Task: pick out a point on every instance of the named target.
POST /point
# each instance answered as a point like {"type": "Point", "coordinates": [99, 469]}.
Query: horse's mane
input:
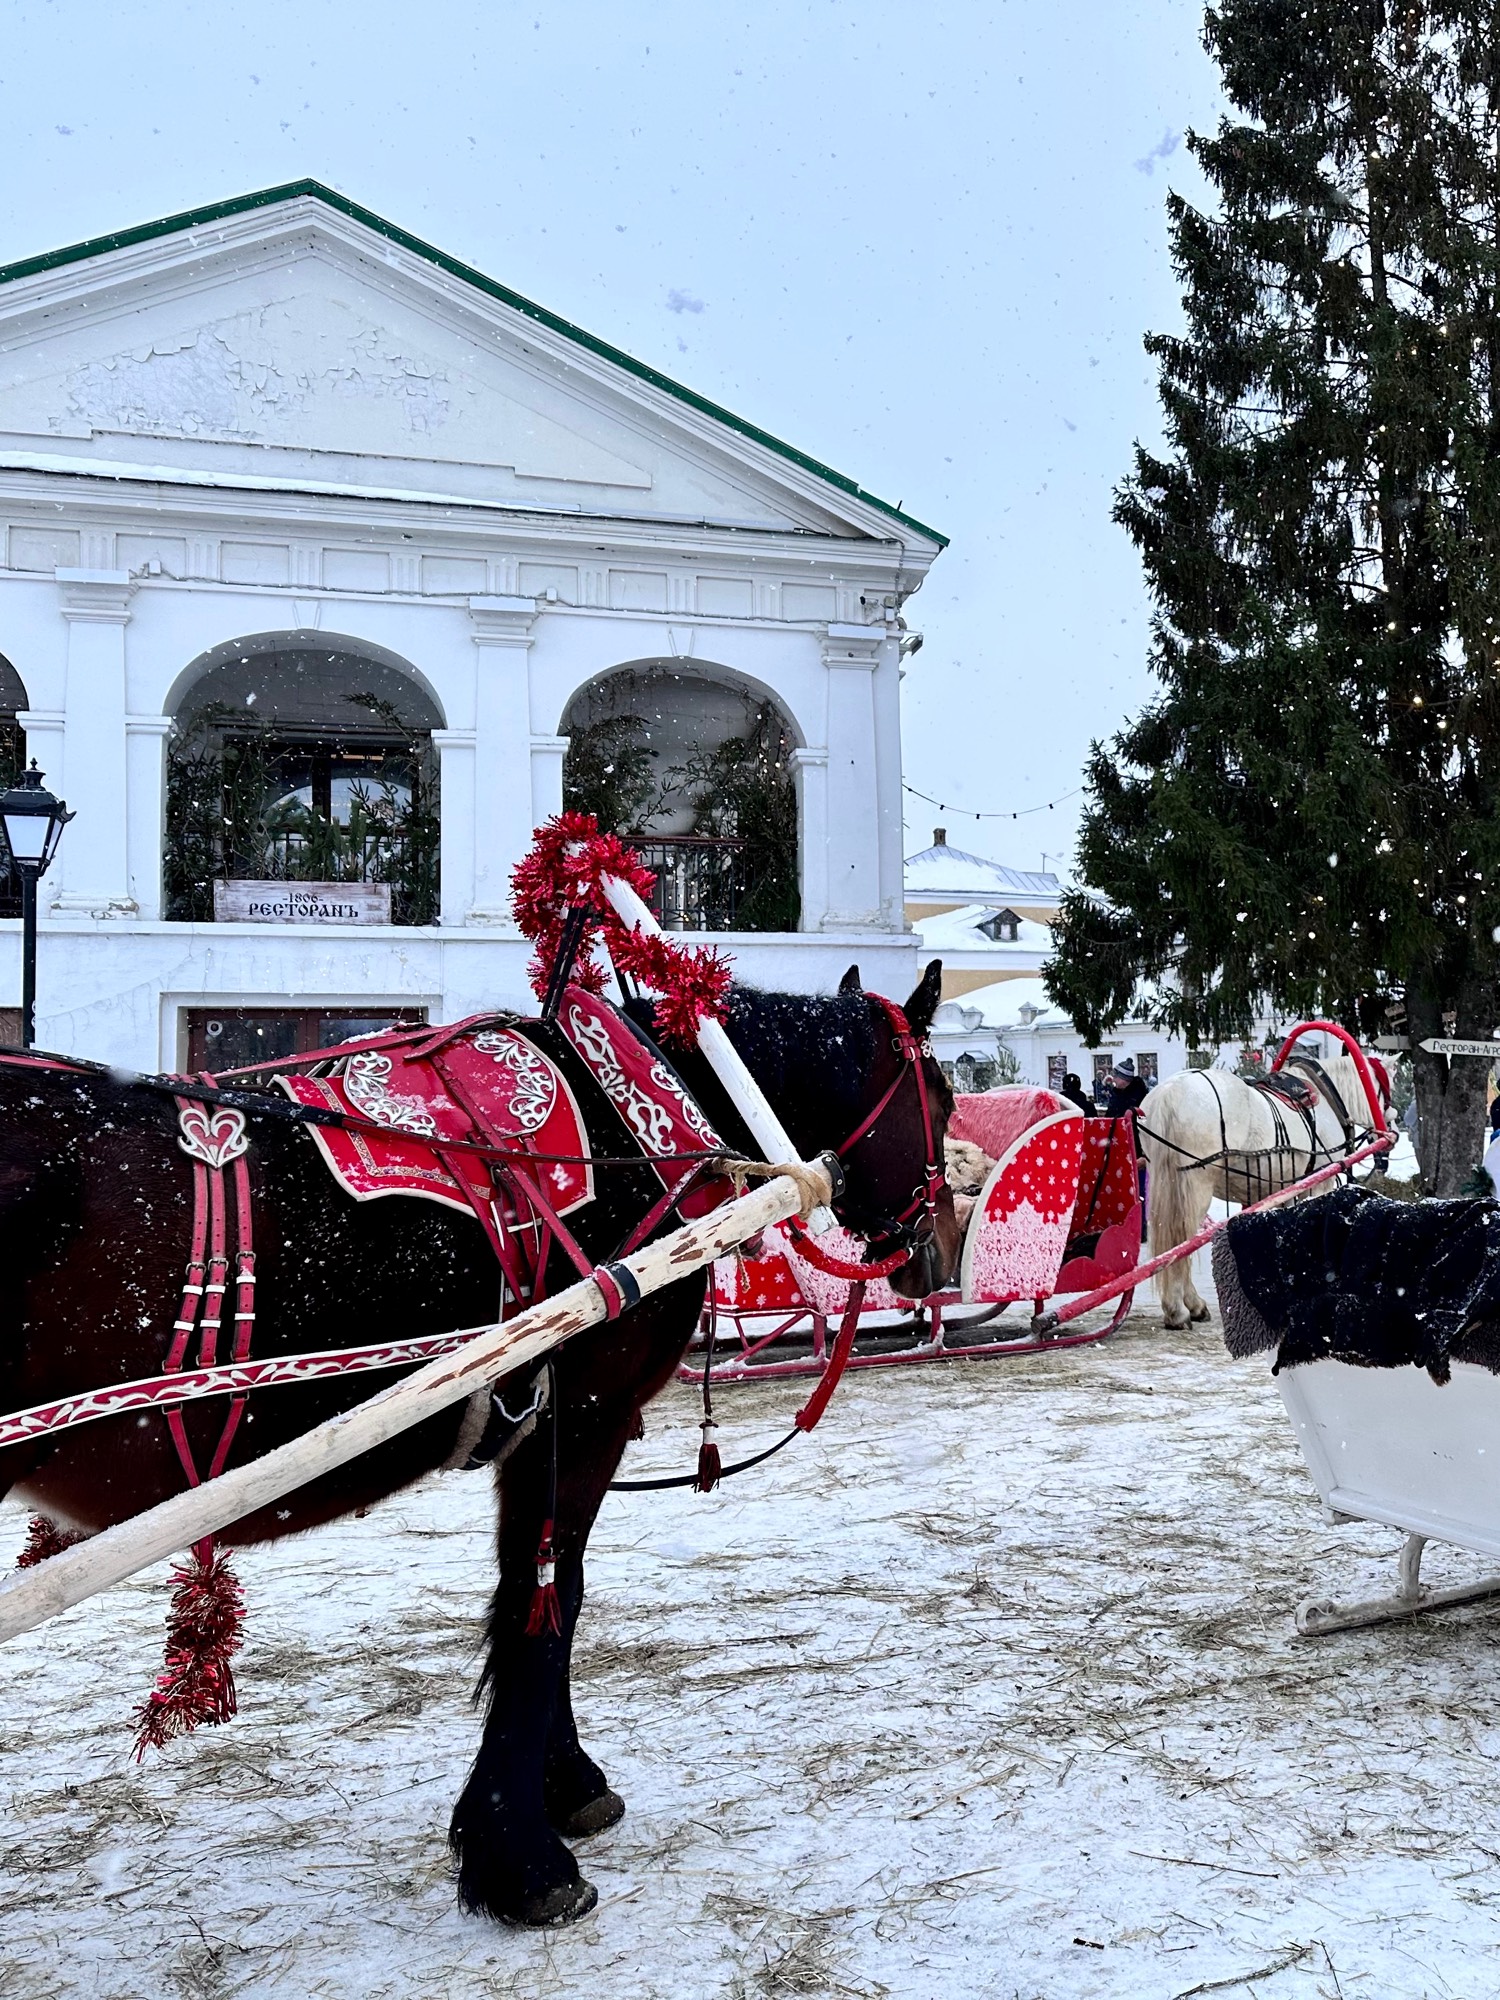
{"type": "Point", "coordinates": [808, 1051]}
{"type": "Point", "coordinates": [796, 1040]}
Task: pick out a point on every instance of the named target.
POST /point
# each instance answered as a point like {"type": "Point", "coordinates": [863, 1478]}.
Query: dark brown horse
{"type": "Point", "coordinates": [95, 1207]}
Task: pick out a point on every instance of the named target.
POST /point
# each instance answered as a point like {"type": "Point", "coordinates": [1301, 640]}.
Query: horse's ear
{"type": "Point", "coordinates": [851, 981]}
{"type": "Point", "coordinates": [923, 1004]}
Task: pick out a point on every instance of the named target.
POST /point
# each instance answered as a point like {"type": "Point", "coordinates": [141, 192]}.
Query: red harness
{"type": "Point", "coordinates": [214, 1140]}
{"type": "Point", "coordinates": [918, 1220]}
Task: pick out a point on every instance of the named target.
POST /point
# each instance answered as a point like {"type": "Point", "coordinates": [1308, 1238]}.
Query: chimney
{"type": "Point", "coordinates": [940, 836]}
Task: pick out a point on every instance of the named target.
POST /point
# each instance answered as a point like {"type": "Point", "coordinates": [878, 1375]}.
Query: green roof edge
{"type": "Point", "coordinates": [243, 204]}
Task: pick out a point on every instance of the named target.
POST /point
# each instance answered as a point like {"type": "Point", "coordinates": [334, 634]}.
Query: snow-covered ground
{"type": "Point", "coordinates": [989, 1688]}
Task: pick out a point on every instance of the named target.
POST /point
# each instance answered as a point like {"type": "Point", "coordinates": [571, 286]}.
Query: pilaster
{"type": "Point", "coordinates": [851, 653]}
{"type": "Point", "coordinates": [889, 800]}
{"type": "Point", "coordinates": [502, 632]}
{"type": "Point", "coordinates": [455, 749]}
{"type": "Point", "coordinates": [94, 857]}
{"type": "Point", "coordinates": [811, 769]}
{"type": "Point", "coordinates": [547, 754]}
{"type": "Point", "coordinates": [146, 808]}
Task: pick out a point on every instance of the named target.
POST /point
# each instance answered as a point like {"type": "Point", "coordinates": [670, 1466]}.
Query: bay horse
{"type": "Point", "coordinates": [95, 1205]}
{"type": "Point", "coordinates": [1210, 1134]}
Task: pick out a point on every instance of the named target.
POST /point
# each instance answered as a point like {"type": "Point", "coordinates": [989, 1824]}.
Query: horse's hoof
{"type": "Point", "coordinates": [605, 1811]}
{"type": "Point", "coordinates": [1203, 1313]}
{"type": "Point", "coordinates": [563, 1905]}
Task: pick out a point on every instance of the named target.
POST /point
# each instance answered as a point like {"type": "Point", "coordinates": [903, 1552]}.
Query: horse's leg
{"type": "Point", "coordinates": [575, 1792]}
{"type": "Point", "coordinates": [1179, 1206]}
{"type": "Point", "coordinates": [1201, 1192]}
{"type": "Point", "coordinates": [511, 1863]}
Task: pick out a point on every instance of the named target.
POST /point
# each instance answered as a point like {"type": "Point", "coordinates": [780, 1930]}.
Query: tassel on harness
{"type": "Point", "coordinates": [546, 1612]}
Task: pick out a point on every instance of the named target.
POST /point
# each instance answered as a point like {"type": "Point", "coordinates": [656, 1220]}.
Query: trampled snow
{"type": "Point", "coordinates": [990, 1687]}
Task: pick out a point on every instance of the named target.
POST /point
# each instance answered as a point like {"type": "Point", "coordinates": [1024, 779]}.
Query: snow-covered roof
{"type": "Point", "coordinates": [955, 936]}
{"type": "Point", "coordinates": [941, 872]}
{"type": "Point", "coordinates": [213, 223]}
{"type": "Point", "coordinates": [999, 1006]}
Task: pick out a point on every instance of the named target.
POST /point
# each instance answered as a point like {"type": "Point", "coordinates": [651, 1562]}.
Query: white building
{"type": "Point", "coordinates": [1016, 1015]}
{"type": "Point", "coordinates": [279, 482]}
{"type": "Point", "coordinates": [991, 926]}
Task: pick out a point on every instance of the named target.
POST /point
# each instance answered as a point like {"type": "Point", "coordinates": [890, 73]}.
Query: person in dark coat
{"type": "Point", "coordinates": [1072, 1089]}
{"type": "Point", "coordinates": [1122, 1090]}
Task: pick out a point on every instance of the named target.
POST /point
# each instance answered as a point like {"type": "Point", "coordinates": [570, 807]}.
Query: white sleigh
{"type": "Point", "coordinates": [1390, 1445]}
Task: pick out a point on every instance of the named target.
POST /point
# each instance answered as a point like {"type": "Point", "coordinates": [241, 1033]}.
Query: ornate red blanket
{"type": "Point", "coordinates": [486, 1087]}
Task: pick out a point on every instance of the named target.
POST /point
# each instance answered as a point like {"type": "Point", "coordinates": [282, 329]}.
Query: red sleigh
{"type": "Point", "coordinates": [1059, 1213]}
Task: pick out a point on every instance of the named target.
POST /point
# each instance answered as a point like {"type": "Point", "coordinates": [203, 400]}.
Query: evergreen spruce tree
{"type": "Point", "coordinates": [1306, 817]}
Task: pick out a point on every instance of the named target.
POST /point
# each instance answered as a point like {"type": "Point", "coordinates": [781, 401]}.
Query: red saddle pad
{"type": "Point", "coordinates": [520, 1099]}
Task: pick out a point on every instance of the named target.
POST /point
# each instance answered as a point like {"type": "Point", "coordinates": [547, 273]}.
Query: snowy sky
{"type": "Point", "coordinates": [921, 242]}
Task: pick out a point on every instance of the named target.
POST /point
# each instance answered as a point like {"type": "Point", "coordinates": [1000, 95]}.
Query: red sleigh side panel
{"type": "Point", "coordinates": [1024, 1214]}
{"type": "Point", "coordinates": [1108, 1207]}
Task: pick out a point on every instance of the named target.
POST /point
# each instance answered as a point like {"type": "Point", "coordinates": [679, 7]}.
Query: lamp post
{"type": "Point", "coordinates": [34, 821]}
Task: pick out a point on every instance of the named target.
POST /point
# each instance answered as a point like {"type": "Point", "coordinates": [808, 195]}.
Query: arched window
{"type": "Point", "coordinates": [697, 773]}
{"type": "Point", "coordinates": [293, 762]}
{"type": "Point", "coordinates": [13, 701]}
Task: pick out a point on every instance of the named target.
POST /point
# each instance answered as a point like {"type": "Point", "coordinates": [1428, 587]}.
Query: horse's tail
{"type": "Point", "coordinates": [1170, 1197]}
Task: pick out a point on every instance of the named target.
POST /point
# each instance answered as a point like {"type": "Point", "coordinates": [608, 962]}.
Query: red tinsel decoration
{"type": "Point", "coordinates": [44, 1539]}
{"type": "Point", "coordinates": [567, 860]}
{"type": "Point", "coordinates": [196, 1685]}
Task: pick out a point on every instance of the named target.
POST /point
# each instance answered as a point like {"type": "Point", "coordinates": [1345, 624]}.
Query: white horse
{"type": "Point", "coordinates": [1208, 1133]}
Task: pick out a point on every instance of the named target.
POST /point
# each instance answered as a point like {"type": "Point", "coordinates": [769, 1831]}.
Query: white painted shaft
{"type": "Point", "coordinates": [722, 1056]}
{"type": "Point", "coordinates": [32, 1596]}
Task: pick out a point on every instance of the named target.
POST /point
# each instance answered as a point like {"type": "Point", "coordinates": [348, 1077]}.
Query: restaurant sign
{"type": "Point", "coordinates": [302, 902]}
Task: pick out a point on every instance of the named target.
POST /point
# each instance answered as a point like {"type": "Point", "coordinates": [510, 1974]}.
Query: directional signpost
{"type": "Point", "coordinates": [1437, 1045]}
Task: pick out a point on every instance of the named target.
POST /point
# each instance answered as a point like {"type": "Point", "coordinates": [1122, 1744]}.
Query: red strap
{"type": "Point", "coordinates": [835, 1267]}
{"type": "Point", "coordinates": [807, 1417]}
{"type": "Point", "coordinates": [204, 1290]}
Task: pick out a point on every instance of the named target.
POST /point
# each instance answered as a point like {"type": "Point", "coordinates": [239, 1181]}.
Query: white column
{"type": "Point", "coordinates": [146, 808]}
{"type": "Point", "coordinates": [455, 749]}
{"type": "Point", "coordinates": [502, 751]}
{"type": "Point", "coordinates": [94, 855]}
{"type": "Point", "coordinates": [886, 692]}
{"type": "Point", "coordinates": [547, 754]}
{"type": "Point", "coordinates": [851, 653]}
{"type": "Point", "coordinates": [811, 767]}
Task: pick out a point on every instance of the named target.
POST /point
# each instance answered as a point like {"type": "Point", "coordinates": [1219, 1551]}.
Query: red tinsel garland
{"type": "Point", "coordinates": [196, 1685]}
{"type": "Point", "coordinates": [568, 859]}
{"type": "Point", "coordinates": [44, 1539]}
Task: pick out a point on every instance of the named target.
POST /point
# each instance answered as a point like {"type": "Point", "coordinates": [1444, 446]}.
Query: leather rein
{"type": "Point", "coordinates": [917, 1222]}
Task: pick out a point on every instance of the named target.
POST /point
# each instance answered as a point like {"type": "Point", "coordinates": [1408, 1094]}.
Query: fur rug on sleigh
{"type": "Point", "coordinates": [1354, 1277]}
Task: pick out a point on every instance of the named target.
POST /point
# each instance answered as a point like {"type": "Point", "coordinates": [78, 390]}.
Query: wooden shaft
{"type": "Point", "coordinates": [722, 1056]}
{"type": "Point", "coordinates": [34, 1595]}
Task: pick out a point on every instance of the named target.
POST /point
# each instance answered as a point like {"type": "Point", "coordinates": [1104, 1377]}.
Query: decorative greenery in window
{"type": "Point", "coordinates": [262, 803]}
{"type": "Point", "coordinates": [734, 867]}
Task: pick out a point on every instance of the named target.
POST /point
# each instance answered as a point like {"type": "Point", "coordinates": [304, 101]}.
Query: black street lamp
{"type": "Point", "coordinates": [34, 821]}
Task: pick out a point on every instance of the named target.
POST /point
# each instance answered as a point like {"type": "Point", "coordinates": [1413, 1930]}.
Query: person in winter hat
{"type": "Point", "coordinates": [1122, 1090]}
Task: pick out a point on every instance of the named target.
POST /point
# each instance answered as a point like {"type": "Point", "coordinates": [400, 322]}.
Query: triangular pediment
{"type": "Point", "coordinates": [298, 341]}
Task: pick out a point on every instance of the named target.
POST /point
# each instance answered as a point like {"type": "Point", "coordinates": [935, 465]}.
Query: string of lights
{"type": "Point", "coordinates": [1024, 812]}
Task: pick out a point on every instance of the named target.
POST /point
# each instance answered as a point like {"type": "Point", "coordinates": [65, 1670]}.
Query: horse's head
{"type": "Point", "coordinates": [896, 1194]}
{"type": "Point", "coordinates": [1344, 1075]}
{"type": "Point", "coordinates": [853, 1075]}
